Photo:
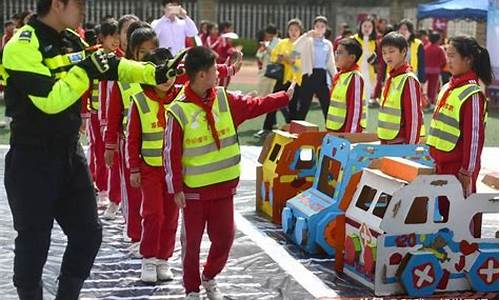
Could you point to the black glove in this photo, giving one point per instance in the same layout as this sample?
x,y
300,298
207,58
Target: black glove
x,y
96,64
169,69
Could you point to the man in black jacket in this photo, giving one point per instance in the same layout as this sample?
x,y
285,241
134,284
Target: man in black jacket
x,y
46,173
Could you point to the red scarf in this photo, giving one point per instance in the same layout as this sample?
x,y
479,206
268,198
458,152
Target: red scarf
x,y
394,73
336,78
169,96
206,104
456,81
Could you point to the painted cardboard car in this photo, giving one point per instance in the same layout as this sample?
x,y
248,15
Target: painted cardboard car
x,y
287,167
314,219
410,233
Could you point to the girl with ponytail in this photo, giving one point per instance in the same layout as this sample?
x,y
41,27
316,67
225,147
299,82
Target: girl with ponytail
x,y
456,136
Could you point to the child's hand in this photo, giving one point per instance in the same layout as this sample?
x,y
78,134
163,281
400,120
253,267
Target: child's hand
x,y
311,33
180,200
108,157
135,179
291,90
465,180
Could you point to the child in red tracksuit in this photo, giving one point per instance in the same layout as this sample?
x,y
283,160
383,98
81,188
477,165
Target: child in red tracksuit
x,y
461,105
114,177
158,210
400,116
347,109
109,39
142,40
202,164
113,171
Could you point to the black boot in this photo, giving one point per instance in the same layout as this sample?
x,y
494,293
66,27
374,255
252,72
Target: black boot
x,y
35,294
69,288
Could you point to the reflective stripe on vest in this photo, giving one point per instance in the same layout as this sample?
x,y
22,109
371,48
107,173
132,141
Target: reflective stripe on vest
x,y
94,97
337,111
152,132
203,163
445,124
127,91
389,116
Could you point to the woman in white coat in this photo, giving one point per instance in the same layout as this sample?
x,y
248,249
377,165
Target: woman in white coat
x,y
316,54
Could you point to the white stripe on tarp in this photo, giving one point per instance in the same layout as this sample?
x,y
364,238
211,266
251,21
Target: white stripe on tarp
x,y
303,276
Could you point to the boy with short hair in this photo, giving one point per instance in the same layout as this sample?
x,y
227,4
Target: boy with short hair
x,y
400,117
202,158
347,111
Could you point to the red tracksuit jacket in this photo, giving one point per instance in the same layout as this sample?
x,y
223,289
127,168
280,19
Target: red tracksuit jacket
x,y
242,109
467,153
115,108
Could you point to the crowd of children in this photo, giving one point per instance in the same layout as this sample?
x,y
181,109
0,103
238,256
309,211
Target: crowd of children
x,y
157,149
140,156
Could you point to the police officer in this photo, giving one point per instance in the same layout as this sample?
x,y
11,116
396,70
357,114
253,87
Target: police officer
x,y
46,174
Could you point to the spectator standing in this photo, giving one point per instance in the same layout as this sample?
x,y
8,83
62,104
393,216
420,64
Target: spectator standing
x,y
435,60
174,27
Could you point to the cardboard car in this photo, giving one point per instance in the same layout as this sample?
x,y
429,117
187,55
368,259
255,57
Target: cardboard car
x,y
410,233
314,219
287,167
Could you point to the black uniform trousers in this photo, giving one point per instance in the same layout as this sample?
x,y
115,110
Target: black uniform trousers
x,y
47,181
313,84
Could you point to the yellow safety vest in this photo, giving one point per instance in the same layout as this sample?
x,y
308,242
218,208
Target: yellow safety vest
x,y
152,132
93,104
338,102
445,125
414,54
372,46
389,116
3,76
127,90
203,164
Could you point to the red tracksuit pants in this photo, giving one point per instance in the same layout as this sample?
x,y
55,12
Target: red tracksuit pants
x,y
114,180
96,148
217,216
159,214
131,199
432,87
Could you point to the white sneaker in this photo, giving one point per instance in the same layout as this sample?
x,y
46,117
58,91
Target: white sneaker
x,y
102,199
163,270
148,270
111,211
134,249
213,292
193,296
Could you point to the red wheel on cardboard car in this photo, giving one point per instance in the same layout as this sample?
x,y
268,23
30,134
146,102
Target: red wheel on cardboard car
x,y
352,248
